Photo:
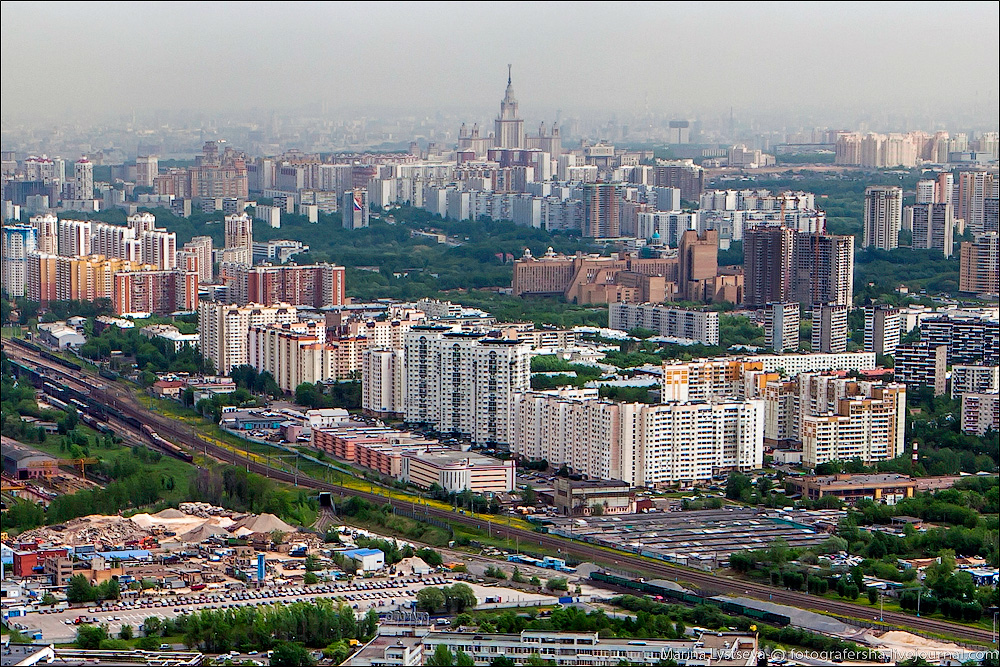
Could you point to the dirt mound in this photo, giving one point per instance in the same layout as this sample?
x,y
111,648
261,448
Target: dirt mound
x,y
266,523
170,513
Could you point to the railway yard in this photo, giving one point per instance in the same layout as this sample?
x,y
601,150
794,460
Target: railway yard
x,y
621,546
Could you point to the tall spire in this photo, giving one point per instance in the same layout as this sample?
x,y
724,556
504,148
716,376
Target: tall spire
x,y
508,74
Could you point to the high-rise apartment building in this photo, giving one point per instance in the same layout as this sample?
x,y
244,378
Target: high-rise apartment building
x,y
698,265
354,208
224,329
882,329
74,238
829,328
926,191
83,179
644,445
781,265
293,353
47,233
970,340
713,379
201,247
147,167
141,222
314,285
883,216
115,241
922,365
979,265
701,326
159,292
239,238
218,174
980,413
383,382
974,380
869,428
781,326
464,383
18,242
159,248
85,278
974,189
601,210
932,226
684,175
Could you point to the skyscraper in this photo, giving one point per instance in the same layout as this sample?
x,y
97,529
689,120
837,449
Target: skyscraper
x,y
18,242
146,170
355,208
509,131
882,329
698,264
974,188
782,265
883,216
979,265
47,233
932,226
83,179
239,238
74,238
600,210
767,265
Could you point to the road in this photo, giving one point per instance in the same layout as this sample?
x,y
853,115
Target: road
x,y
709,582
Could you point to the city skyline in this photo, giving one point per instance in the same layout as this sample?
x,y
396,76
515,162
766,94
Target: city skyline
x,y
682,61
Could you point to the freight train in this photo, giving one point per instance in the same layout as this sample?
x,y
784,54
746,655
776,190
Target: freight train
x,y
164,444
690,598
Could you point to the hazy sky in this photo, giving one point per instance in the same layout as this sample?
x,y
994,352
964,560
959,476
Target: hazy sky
x,y
88,58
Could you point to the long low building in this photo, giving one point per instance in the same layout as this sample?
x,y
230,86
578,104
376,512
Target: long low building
x,y
888,488
583,649
700,326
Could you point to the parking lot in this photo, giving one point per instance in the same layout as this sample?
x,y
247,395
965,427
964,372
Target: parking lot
x,y
381,594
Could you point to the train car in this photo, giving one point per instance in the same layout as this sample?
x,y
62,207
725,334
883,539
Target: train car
x,y
93,423
165,445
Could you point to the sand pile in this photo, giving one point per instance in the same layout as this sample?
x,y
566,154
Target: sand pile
x,y
203,532
266,523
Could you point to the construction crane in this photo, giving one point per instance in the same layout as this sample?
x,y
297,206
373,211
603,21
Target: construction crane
x,y
50,466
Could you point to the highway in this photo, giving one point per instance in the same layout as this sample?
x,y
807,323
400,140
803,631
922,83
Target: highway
x,y
114,395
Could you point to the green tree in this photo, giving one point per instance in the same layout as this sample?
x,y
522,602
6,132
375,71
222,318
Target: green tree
x,y
125,632
459,597
442,657
430,599
291,654
557,584
91,636
79,589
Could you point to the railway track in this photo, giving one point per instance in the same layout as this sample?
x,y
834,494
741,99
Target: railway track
x,y
705,581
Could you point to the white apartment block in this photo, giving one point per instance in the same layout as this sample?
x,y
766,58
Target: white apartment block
x,y
701,326
974,380
980,413
18,242
644,445
868,429
201,247
293,353
781,326
464,383
159,248
793,364
115,241
883,216
383,381
710,379
47,227
74,238
456,471
224,330
141,222
382,334
882,329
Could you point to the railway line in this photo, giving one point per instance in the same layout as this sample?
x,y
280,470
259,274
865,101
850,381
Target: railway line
x,y
185,436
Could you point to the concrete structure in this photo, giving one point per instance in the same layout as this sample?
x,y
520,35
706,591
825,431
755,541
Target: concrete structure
x,y
887,488
201,247
368,560
974,380
170,333
74,238
292,352
829,328
782,265
60,336
713,379
18,242
508,126
354,209
932,226
882,329
643,445
793,364
314,285
883,216
971,338
701,326
600,210
869,428
979,265
588,649
383,382
464,383
781,326
586,497
980,413
458,471
922,365
22,462
239,238
224,329
155,292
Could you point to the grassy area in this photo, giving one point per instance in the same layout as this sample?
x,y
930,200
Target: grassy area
x,y
12,332
892,605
